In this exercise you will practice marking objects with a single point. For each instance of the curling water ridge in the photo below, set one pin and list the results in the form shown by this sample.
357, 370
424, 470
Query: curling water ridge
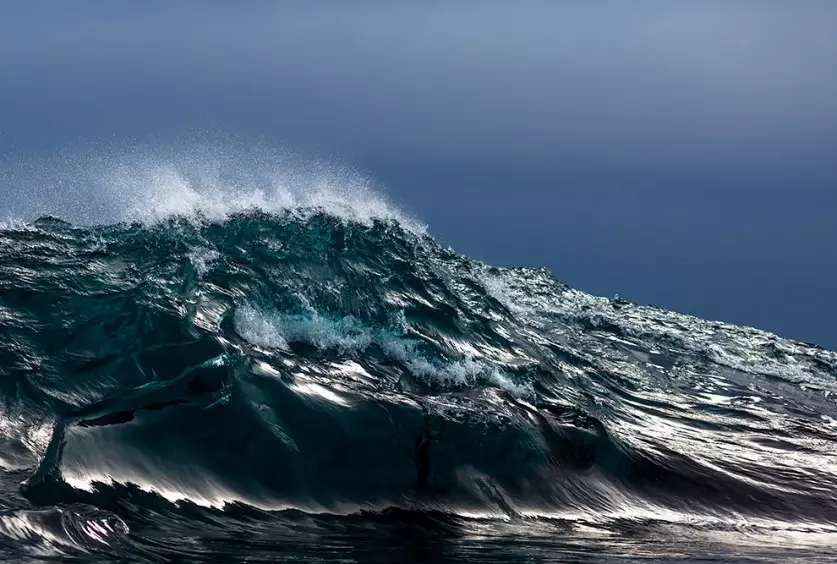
267, 363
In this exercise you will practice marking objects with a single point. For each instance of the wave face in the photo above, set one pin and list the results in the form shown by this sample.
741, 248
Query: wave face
210, 387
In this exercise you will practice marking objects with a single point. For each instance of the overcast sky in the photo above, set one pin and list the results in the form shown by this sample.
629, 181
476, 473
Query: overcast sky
679, 153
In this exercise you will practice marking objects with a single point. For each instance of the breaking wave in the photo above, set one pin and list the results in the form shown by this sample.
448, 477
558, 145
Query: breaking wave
211, 361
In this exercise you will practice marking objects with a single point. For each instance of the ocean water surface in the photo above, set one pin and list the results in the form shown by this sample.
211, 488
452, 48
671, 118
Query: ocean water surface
208, 371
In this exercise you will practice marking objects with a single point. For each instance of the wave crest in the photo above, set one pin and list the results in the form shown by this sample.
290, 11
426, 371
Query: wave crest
208, 181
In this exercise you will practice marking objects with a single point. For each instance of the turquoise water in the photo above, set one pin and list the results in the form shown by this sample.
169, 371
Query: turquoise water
322, 383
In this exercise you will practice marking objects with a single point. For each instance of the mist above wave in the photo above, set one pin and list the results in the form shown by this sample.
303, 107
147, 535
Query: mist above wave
200, 181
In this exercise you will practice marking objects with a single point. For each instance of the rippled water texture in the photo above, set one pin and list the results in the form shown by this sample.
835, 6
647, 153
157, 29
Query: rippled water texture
307, 384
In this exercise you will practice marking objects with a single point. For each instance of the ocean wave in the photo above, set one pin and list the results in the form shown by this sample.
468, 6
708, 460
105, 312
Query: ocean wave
237, 357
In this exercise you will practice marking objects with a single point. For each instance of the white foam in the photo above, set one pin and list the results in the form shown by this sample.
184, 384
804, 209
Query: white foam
466, 371
348, 335
15, 224
202, 259
157, 190
199, 180
259, 329
275, 331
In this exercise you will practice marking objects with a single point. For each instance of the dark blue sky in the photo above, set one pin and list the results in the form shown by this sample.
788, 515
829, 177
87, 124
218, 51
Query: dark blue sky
682, 154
